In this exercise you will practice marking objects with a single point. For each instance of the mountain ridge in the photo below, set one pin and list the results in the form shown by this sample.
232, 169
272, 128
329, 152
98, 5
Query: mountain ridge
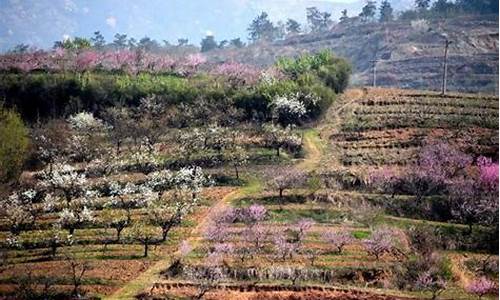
409, 54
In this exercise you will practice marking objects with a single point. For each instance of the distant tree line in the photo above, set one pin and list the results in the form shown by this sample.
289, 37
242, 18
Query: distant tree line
262, 29
446, 8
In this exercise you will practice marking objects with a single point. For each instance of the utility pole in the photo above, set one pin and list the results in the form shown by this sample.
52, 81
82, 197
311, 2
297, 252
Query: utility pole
374, 72
445, 65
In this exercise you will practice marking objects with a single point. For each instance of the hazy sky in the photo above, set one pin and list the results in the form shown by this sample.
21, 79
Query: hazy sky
41, 22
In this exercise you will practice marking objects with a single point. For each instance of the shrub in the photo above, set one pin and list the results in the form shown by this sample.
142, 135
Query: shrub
14, 142
334, 72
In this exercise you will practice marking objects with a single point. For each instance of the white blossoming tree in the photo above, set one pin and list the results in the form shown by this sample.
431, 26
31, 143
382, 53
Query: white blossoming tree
277, 137
74, 217
88, 135
50, 141
65, 180
216, 137
236, 156
288, 109
159, 181
121, 126
69, 196
191, 179
20, 211
128, 197
150, 119
191, 141
85, 123
168, 212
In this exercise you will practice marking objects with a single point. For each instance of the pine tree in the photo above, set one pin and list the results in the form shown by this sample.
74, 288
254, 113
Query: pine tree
98, 40
208, 43
368, 11
292, 26
120, 41
386, 11
236, 43
422, 4
261, 28
344, 16
319, 21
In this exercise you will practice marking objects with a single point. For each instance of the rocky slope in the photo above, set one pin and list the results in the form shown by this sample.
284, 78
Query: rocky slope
409, 54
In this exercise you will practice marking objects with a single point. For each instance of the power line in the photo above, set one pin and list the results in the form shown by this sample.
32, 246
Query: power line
374, 71
445, 65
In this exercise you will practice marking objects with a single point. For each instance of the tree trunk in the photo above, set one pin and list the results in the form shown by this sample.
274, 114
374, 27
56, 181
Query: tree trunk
118, 234
236, 171
71, 230
146, 244
280, 200
278, 152
201, 294
129, 216
164, 232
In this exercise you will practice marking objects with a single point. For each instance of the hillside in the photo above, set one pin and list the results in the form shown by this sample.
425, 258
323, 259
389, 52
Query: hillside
389, 127
343, 154
320, 194
410, 56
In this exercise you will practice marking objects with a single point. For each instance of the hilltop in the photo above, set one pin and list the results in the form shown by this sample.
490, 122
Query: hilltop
409, 52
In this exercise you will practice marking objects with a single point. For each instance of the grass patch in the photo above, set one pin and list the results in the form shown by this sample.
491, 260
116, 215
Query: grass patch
361, 234
271, 200
318, 215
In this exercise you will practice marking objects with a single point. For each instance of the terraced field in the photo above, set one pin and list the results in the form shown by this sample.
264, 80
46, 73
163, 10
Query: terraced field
388, 127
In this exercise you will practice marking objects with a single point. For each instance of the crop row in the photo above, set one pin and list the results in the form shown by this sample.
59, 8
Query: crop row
425, 110
452, 96
460, 103
390, 144
379, 93
388, 156
476, 142
386, 121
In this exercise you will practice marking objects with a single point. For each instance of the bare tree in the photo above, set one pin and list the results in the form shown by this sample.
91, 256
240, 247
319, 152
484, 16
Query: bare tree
77, 270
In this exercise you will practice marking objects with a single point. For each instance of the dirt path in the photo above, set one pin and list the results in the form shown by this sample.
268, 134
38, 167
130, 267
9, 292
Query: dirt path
313, 149
151, 275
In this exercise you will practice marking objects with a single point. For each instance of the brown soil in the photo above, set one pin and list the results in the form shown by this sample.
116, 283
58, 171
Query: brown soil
268, 292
